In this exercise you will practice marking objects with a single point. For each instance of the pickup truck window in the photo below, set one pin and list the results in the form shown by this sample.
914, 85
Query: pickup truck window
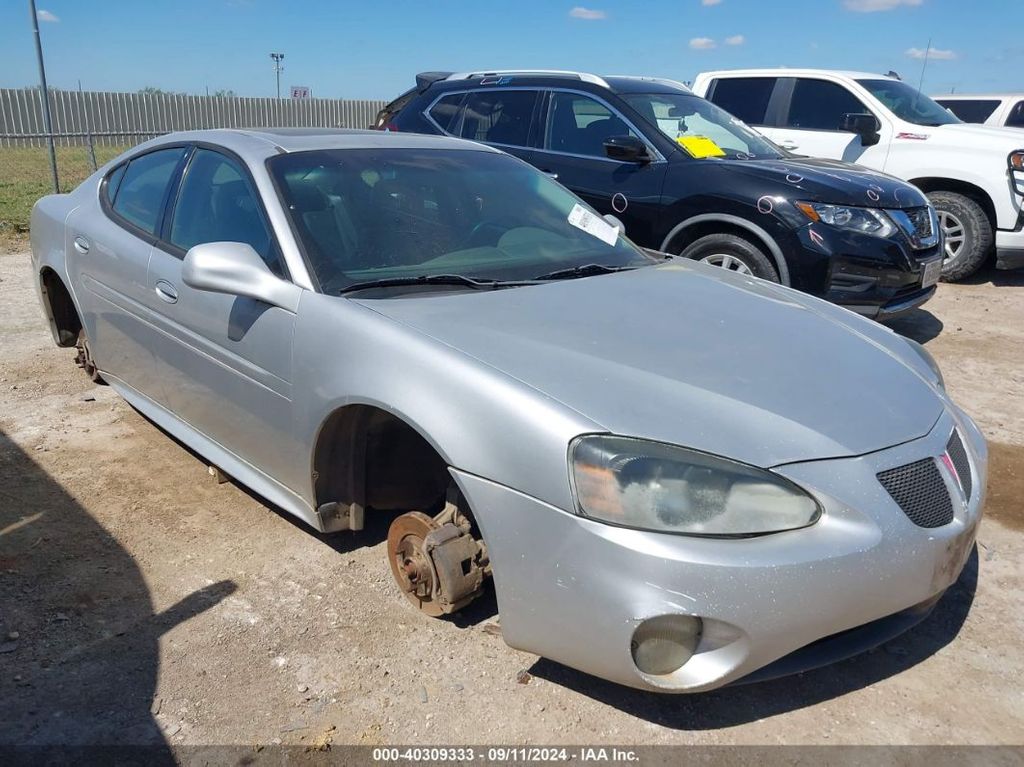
1016, 118
745, 97
970, 110
907, 103
820, 105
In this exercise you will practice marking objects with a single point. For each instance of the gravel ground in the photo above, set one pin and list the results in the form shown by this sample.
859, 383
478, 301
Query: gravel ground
142, 602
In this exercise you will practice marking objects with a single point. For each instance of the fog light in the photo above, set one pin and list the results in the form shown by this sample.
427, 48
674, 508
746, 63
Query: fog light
662, 645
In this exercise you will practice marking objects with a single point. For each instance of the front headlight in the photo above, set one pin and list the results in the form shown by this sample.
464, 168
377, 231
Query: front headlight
863, 220
664, 488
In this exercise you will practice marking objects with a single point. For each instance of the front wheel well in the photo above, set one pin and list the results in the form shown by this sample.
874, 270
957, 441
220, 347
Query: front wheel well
368, 458
965, 188
60, 308
687, 233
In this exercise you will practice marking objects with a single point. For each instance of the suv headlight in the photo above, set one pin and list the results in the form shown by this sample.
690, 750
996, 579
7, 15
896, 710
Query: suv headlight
1016, 163
664, 488
863, 220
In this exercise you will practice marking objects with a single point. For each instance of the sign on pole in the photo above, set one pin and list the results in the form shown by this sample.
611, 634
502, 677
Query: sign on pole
300, 91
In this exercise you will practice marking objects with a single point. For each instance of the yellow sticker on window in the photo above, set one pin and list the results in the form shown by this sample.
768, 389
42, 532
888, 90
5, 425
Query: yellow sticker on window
700, 146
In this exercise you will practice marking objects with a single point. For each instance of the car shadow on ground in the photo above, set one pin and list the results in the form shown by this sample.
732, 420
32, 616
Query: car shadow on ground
79, 651
998, 277
742, 704
919, 324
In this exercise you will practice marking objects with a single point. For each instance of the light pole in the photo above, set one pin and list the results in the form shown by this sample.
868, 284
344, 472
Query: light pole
278, 57
47, 125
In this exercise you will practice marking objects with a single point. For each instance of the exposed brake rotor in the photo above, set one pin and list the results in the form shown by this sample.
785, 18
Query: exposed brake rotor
410, 563
84, 357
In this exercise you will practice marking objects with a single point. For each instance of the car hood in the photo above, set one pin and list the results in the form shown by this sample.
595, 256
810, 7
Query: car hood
992, 137
831, 181
688, 354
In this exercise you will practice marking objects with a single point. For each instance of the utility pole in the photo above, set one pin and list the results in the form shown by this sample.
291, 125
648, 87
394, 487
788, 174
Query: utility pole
278, 58
45, 93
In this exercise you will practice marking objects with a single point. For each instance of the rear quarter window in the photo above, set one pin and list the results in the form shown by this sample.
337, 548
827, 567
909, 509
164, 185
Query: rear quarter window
445, 111
744, 97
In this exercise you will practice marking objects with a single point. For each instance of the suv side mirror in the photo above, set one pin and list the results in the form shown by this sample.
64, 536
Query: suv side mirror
863, 124
626, 149
236, 269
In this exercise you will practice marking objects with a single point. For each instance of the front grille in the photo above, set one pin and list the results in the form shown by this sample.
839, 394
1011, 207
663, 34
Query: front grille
920, 491
920, 226
958, 454
921, 218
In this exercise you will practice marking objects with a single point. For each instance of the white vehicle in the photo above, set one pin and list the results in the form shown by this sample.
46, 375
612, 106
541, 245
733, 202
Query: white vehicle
999, 109
973, 174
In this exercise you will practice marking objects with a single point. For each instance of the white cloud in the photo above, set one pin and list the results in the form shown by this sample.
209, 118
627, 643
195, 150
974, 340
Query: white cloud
44, 15
934, 54
710, 2
871, 6
587, 14
735, 40
702, 43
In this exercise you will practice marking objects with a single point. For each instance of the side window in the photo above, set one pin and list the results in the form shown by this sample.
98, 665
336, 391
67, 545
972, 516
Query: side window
1016, 117
500, 117
578, 124
445, 110
217, 204
744, 97
820, 105
140, 195
114, 181
970, 110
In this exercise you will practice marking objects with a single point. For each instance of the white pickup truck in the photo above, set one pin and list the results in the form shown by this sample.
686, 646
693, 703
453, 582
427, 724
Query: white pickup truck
973, 174
1000, 109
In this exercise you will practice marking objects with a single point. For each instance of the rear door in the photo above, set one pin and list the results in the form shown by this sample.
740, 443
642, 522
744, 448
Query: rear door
574, 126
502, 117
812, 112
227, 359
108, 250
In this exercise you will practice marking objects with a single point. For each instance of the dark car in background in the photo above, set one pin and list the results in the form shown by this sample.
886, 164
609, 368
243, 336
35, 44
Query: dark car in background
686, 177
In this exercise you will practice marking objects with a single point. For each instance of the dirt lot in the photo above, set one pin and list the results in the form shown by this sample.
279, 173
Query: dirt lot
140, 601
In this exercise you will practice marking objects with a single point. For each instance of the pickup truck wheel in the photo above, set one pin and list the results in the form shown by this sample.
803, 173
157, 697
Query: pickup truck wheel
731, 252
967, 231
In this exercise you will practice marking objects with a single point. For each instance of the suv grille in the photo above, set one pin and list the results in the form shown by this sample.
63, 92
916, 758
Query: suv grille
920, 491
922, 220
919, 225
958, 454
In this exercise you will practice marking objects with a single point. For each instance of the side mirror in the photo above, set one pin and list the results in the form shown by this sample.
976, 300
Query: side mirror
236, 269
626, 149
863, 124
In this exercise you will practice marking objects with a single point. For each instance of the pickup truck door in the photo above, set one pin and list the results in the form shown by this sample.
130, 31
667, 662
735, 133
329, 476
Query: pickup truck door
812, 110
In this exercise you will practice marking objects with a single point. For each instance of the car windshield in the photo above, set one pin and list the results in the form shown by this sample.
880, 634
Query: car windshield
364, 215
702, 129
908, 103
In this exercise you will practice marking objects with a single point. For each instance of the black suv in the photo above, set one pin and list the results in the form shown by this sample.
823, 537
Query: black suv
688, 178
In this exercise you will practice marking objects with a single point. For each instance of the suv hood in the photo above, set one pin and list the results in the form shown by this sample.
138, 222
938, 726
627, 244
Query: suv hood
691, 355
831, 181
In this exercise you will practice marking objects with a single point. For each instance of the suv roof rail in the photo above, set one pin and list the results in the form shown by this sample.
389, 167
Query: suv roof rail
584, 76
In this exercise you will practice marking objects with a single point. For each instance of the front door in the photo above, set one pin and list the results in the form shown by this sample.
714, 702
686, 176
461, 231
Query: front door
572, 151
227, 359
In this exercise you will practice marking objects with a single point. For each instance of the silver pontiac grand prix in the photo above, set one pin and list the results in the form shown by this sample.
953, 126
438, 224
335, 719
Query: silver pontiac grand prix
677, 477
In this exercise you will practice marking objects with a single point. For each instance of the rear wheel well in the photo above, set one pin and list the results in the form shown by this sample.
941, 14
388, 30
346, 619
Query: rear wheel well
368, 458
60, 308
969, 190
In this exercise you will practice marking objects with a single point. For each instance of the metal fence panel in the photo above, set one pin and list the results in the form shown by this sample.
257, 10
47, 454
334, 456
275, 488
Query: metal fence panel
128, 118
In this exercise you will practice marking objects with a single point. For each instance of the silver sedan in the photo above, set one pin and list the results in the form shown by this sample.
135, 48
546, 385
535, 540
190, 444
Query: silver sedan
675, 477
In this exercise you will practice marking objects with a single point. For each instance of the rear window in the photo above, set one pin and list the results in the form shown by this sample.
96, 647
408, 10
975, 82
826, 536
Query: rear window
970, 110
140, 195
744, 97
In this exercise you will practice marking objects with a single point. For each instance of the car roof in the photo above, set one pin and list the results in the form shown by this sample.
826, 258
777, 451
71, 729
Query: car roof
794, 72
972, 96
261, 142
615, 83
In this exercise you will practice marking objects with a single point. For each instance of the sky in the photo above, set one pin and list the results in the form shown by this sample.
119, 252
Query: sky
372, 50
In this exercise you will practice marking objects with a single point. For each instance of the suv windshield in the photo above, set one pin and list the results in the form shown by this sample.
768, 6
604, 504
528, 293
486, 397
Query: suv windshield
701, 128
364, 215
908, 103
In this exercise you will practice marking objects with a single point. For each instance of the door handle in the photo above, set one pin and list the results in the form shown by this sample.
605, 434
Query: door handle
789, 146
81, 244
167, 291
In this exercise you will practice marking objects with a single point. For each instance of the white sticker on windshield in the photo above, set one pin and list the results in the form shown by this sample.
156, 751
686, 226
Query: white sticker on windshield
583, 219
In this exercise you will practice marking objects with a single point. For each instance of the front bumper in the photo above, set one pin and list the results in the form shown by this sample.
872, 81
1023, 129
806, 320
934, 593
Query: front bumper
1010, 249
877, 278
574, 590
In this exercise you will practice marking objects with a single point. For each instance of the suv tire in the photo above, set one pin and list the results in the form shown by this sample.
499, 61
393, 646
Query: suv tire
963, 218
731, 252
